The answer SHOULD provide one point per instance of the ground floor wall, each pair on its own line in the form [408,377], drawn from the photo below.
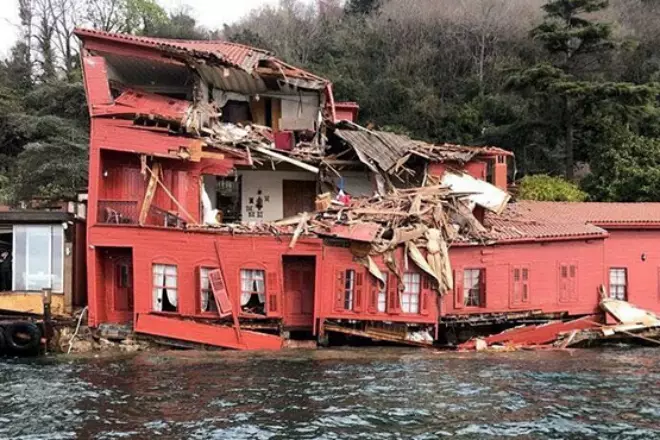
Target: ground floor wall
[554,276]
[549,277]
[637,253]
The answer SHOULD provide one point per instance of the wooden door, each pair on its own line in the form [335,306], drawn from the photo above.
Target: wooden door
[298,196]
[118,274]
[299,275]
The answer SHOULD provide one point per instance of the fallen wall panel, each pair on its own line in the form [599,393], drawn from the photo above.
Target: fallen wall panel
[215,335]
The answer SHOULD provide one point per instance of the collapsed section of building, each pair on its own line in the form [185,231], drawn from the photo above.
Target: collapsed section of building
[231,203]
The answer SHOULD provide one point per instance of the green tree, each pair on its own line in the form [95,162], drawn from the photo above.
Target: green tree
[550,189]
[628,168]
[569,88]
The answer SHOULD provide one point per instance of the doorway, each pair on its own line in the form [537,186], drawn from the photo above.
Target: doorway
[299,283]
[298,196]
[118,274]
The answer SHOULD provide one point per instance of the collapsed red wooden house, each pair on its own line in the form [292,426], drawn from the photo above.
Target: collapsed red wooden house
[156,183]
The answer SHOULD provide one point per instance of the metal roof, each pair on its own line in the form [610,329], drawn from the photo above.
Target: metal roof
[388,149]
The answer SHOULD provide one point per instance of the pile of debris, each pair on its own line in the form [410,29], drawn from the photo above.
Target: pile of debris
[630,324]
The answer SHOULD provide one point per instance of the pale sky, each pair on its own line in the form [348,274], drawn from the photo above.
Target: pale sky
[209,13]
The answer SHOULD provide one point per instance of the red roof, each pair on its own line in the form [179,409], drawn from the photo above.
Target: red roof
[236,54]
[504,229]
[604,214]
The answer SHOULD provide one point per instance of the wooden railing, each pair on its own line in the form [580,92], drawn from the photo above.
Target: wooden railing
[125,212]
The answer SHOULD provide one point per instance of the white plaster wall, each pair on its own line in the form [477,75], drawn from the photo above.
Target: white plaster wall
[270,183]
[301,107]
[210,185]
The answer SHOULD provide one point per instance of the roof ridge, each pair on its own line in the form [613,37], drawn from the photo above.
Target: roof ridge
[127,36]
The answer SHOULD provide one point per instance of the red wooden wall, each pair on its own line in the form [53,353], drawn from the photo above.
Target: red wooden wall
[624,249]
[543,263]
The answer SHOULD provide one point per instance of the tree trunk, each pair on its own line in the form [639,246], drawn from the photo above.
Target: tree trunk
[568,123]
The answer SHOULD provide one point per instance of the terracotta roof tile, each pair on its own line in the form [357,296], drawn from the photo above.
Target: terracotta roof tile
[237,54]
[503,229]
[587,212]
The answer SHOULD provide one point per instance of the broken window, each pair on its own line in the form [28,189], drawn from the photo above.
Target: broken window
[207,300]
[38,255]
[382,296]
[165,295]
[253,296]
[349,289]
[618,283]
[410,295]
[221,199]
[473,287]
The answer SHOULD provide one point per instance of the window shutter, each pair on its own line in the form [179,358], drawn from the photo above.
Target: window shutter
[459,301]
[525,284]
[220,291]
[340,279]
[373,295]
[424,296]
[482,288]
[273,291]
[393,303]
[359,290]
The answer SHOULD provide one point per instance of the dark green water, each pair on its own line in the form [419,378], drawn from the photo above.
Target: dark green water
[335,394]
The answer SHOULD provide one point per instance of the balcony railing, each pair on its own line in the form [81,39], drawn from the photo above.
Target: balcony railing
[124,212]
[120,212]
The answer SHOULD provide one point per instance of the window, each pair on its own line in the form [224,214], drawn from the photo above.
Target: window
[123,276]
[253,290]
[207,300]
[520,285]
[38,257]
[349,289]
[382,296]
[410,296]
[618,283]
[165,294]
[473,287]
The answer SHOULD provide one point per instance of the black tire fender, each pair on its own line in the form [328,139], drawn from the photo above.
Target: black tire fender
[2,341]
[22,337]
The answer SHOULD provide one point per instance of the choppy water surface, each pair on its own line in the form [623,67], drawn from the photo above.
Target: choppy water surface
[337,394]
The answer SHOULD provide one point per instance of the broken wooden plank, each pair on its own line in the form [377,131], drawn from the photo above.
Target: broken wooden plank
[234,311]
[149,194]
[299,229]
[284,158]
[171,196]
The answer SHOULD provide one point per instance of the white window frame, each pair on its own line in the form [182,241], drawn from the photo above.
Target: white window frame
[412,292]
[205,289]
[382,297]
[618,272]
[157,290]
[14,275]
[349,289]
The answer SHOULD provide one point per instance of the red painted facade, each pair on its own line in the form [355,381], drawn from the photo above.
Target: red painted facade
[317,280]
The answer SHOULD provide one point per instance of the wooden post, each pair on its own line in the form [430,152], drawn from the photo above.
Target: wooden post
[46,296]
[235,307]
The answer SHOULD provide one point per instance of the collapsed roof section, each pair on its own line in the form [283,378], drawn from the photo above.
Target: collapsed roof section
[227,66]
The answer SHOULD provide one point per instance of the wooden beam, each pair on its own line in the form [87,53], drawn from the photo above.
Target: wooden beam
[290,160]
[171,196]
[211,155]
[235,309]
[149,194]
